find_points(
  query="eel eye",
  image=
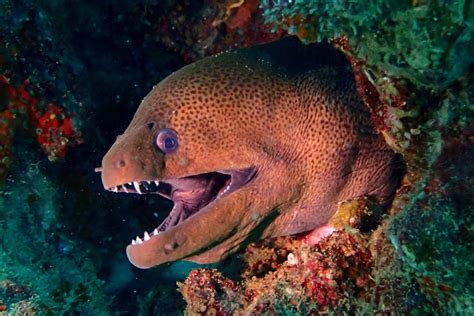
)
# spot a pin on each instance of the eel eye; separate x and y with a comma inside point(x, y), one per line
point(167, 140)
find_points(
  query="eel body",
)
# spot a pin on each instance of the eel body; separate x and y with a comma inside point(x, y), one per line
point(249, 144)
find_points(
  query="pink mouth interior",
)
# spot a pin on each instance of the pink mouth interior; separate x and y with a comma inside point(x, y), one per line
point(189, 194)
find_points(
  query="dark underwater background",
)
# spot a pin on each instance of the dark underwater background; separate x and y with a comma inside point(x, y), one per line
point(72, 74)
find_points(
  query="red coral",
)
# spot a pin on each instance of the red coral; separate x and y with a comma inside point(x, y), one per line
point(328, 274)
point(321, 286)
point(339, 266)
point(54, 131)
point(52, 127)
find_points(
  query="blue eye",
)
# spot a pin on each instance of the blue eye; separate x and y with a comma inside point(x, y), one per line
point(167, 140)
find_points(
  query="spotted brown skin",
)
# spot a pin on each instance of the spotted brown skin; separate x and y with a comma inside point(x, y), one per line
point(288, 112)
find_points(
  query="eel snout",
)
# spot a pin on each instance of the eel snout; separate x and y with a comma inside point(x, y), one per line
point(124, 162)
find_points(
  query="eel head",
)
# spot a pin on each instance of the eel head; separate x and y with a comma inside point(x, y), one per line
point(188, 145)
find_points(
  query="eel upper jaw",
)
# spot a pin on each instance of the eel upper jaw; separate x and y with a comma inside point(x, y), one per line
point(190, 195)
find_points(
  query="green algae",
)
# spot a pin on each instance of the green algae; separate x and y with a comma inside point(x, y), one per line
point(427, 42)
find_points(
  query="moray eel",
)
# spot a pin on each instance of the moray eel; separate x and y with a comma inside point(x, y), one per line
point(254, 143)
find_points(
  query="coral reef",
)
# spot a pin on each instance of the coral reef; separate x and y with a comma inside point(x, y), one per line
point(346, 272)
point(71, 76)
point(207, 291)
point(413, 67)
point(287, 276)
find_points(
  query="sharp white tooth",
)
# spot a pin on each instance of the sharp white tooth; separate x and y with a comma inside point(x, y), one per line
point(148, 182)
point(155, 232)
point(114, 189)
point(138, 240)
point(146, 236)
point(133, 242)
point(124, 188)
point(226, 189)
point(157, 182)
point(137, 187)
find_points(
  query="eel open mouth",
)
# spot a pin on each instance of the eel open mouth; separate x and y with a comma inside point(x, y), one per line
point(190, 194)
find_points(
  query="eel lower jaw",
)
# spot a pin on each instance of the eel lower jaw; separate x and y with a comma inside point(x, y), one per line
point(190, 194)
